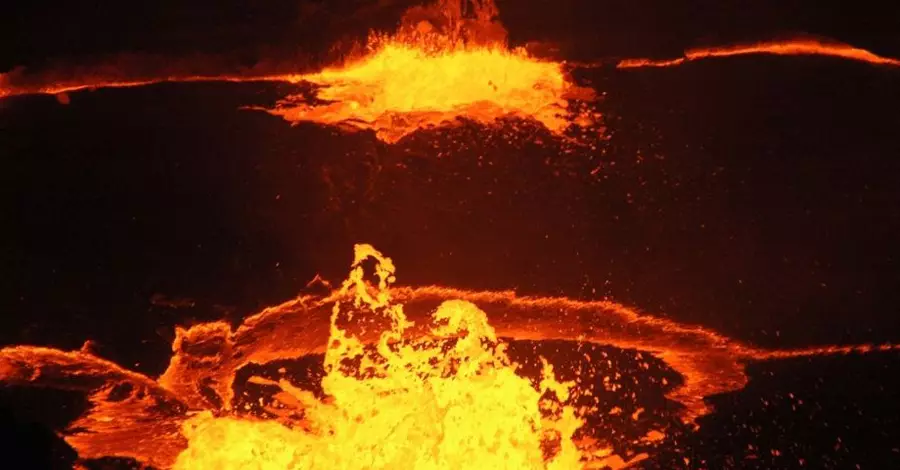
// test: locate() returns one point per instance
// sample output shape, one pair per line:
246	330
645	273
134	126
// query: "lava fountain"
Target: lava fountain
412	378
401	401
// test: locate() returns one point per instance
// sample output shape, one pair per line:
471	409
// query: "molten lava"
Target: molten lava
445	63
413	377
402	87
419	402
787	47
440	67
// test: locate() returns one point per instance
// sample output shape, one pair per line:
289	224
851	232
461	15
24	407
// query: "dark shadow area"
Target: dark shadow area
827	412
28	418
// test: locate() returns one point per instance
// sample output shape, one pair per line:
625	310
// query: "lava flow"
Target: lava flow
787	47
412	378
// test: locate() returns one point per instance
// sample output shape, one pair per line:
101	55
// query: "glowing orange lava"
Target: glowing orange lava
14	84
402	87
442	65
414	377
786	47
401	400
411	375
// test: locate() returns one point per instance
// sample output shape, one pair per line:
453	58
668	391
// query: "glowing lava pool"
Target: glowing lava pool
375	374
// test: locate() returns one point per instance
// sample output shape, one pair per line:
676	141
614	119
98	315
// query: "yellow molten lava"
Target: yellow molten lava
417	382
448	399
404	85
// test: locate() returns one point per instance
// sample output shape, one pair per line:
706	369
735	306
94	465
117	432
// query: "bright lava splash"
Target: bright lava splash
404	401
413	378
401	88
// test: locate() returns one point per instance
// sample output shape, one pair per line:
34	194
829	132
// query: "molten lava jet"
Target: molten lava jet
411	378
400	400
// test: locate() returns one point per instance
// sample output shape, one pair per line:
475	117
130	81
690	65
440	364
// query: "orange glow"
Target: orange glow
401	87
787	47
12	85
414	377
633	63
401	402
406	369
439	67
